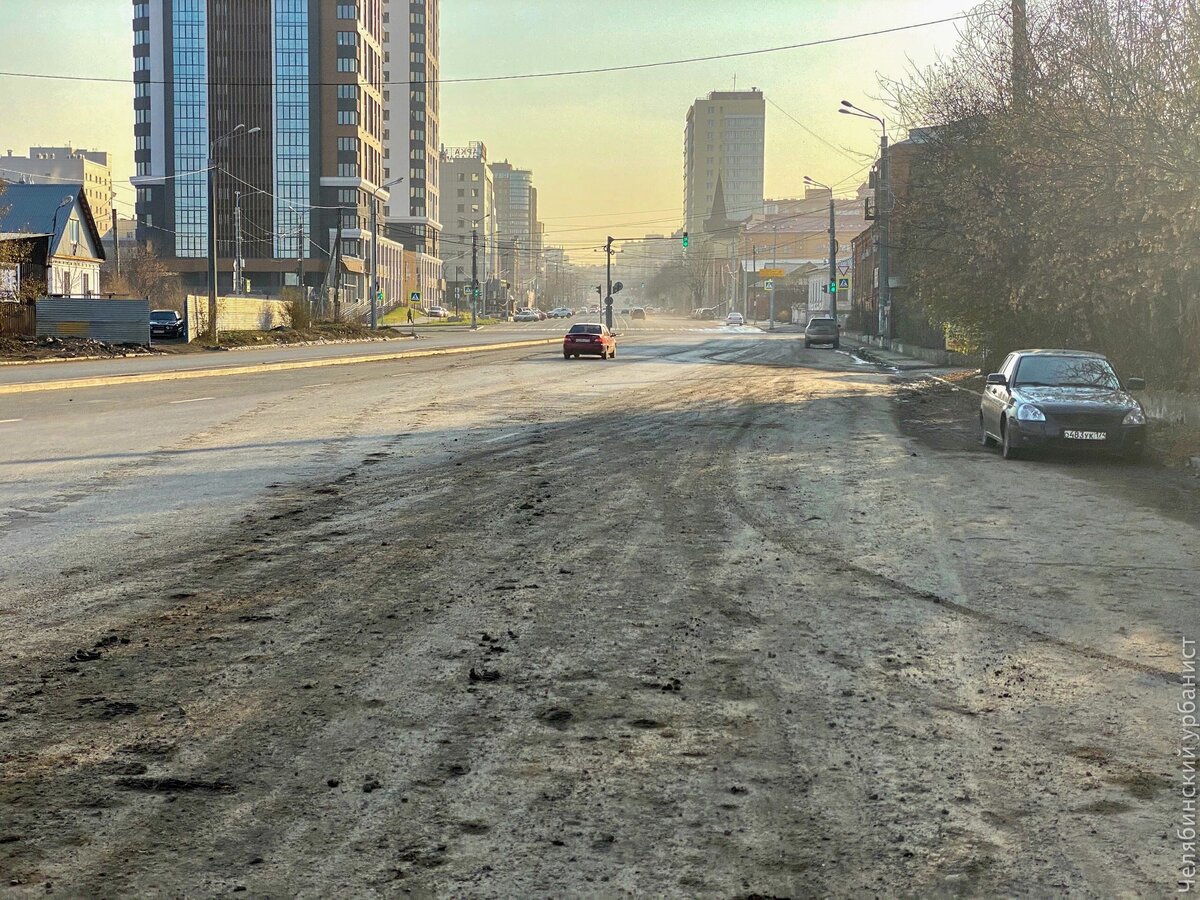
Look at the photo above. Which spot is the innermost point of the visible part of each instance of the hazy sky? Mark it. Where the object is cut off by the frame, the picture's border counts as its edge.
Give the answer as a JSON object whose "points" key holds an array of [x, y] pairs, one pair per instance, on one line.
{"points": [[606, 149]]}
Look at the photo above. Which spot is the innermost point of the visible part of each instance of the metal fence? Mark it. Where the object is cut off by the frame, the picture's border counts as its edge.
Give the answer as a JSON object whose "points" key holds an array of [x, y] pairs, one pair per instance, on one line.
{"points": [[112, 321]]}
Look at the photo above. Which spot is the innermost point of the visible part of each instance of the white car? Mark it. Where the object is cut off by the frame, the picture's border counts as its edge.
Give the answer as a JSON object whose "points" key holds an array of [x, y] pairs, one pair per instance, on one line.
{"points": [[560, 312], [437, 312], [734, 318], [527, 315]]}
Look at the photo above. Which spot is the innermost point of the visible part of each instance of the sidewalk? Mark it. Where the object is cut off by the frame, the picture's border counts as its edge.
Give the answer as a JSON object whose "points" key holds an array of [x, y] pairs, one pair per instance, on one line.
{"points": [[888, 358], [908, 356]]}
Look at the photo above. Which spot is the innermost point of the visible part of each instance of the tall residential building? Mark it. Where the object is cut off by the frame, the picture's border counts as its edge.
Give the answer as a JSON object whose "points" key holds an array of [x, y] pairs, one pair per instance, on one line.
{"points": [[723, 143], [411, 92], [469, 206], [287, 98], [520, 234], [67, 165]]}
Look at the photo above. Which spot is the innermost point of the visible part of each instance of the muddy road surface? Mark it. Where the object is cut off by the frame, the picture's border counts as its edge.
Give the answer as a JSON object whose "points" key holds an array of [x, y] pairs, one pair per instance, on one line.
{"points": [[710, 619]]}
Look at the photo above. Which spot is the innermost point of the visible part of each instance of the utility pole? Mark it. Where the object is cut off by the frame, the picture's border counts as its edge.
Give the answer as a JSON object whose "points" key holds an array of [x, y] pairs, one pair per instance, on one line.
{"points": [[237, 241], [300, 261], [374, 262], [883, 202], [116, 243], [212, 247], [474, 276], [754, 262], [833, 249], [608, 298]]}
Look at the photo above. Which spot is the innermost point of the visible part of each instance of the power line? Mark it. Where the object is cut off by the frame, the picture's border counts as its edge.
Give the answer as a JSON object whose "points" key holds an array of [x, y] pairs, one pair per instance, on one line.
{"points": [[525, 76]]}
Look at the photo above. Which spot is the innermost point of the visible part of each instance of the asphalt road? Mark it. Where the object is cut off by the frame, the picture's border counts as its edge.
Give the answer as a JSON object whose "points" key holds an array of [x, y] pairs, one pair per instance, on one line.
{"points": [[428, 338], [703, 620]]}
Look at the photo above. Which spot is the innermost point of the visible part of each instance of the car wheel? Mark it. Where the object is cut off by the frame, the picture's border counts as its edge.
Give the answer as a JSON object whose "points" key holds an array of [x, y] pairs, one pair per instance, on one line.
{"points": [[807, 345], [566, 356], [985, 439], [1007, 450], [837, 345]]}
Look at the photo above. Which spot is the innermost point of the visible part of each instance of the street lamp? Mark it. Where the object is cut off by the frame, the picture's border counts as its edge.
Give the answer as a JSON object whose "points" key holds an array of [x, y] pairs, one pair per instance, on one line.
{"points": [[883, 194], [238, 280], [833, 249], [375, 249], [212, 224]]}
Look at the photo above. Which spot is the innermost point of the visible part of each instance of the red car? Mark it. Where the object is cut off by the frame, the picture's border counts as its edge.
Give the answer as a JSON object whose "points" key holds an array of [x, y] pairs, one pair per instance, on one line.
{"points": [[589, 339]]}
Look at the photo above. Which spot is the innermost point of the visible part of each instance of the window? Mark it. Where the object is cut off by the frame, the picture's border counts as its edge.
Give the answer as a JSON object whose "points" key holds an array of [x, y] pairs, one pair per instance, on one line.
{"points": [[347, 92], [347, 38], [347, 117], [347, 170], [347, 64], [347, 11], [73, 231]]}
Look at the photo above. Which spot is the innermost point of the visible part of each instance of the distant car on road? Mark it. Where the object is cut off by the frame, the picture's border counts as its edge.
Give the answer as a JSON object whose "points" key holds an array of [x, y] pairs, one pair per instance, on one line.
{"points": [[735, 318], [1061, 398], [822, 330], [437, 312], [560, 312], [637, 313], [166, 323], [589, 339], [529, 315]]}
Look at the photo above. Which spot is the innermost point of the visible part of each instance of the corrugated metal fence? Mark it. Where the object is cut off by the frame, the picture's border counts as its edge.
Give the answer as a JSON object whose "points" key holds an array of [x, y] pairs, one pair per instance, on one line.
{"points": [[114, 321]]}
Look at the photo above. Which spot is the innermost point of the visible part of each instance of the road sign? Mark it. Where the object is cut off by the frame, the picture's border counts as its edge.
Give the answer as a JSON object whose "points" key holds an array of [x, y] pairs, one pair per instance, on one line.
{"points": [[769, 285], [457, 293], [772, 273], [843, 268], [414, 297], [843, 284]]}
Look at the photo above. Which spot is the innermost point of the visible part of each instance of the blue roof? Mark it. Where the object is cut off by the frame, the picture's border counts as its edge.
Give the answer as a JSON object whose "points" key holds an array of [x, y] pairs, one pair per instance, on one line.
{"points": [[31, 208]]}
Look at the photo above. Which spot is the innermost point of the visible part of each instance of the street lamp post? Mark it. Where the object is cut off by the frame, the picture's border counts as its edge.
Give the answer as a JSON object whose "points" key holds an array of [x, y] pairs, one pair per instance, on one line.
{"points": [[212, 225], [883, 199], [833, 249], [375, 250], [238, 262]]}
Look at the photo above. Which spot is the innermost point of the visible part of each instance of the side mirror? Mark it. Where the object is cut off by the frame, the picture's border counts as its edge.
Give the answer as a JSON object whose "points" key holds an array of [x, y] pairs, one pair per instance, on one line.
{"points": [[997, 378], [1136, 384]]}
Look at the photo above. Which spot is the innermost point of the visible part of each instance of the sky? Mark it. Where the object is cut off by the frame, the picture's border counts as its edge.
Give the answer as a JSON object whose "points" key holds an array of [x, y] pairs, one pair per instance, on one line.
{"points": [[606, 149]]}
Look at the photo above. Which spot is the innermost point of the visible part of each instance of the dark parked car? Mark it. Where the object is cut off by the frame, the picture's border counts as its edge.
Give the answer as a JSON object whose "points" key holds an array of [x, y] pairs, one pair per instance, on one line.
{"points": [[637, 313], [822, 330], [1061, 398], [166, 323]]}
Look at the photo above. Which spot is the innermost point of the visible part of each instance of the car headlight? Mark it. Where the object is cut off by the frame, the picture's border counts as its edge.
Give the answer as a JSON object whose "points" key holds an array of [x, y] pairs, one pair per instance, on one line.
{"points": [[1027, 412], [1135, 417]]}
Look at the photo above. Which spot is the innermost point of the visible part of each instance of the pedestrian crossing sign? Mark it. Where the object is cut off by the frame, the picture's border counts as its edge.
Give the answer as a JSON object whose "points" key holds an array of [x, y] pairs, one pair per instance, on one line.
{"points": [[843, 284]]}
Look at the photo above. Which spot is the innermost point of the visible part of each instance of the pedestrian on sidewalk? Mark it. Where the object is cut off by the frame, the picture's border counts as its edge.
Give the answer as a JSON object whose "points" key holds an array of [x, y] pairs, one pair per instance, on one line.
{"points": [[410, 316]]}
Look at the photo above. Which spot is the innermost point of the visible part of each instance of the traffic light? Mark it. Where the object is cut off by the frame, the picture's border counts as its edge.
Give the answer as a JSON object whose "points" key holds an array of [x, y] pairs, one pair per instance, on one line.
{"points": [[685, 240], [833, 287]]}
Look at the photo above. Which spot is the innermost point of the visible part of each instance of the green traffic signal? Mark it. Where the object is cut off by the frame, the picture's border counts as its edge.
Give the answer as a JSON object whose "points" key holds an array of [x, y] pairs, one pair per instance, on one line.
{"points": [[833, 287], [685, 240]]}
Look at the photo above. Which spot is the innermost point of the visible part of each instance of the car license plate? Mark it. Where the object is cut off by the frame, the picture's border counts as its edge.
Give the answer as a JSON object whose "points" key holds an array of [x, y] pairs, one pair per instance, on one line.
{"points": [[1085, 435]]}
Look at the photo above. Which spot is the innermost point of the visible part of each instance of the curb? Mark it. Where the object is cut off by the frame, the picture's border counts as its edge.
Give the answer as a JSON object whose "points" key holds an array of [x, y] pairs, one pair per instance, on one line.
{"points": [[186, 374]]}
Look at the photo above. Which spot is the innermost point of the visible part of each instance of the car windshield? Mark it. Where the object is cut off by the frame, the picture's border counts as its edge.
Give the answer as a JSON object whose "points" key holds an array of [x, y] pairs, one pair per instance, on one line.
{"points": [[586, 329], [1065, 371], [821, 323], [162, 316]]}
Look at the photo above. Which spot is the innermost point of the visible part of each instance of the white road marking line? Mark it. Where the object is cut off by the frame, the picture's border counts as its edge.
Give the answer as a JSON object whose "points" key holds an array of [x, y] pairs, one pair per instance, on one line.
{"points": [[502, 437], [9, 421], [193, 400], [323, 384]]}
